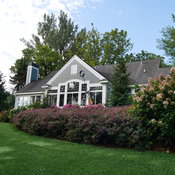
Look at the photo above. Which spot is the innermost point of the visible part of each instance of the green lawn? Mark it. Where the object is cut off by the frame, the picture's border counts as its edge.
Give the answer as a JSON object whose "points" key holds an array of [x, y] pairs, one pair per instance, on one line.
{"points": [[24, 154]]}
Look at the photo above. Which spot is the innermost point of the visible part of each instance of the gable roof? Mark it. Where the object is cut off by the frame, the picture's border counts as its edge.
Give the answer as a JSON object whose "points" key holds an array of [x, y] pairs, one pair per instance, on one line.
{"points": [[91, 69], [139, 73]]}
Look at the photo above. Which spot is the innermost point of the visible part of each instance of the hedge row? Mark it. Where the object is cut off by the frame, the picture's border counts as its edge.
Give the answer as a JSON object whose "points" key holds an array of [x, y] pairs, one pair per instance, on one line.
{"points": [[87, 125]]}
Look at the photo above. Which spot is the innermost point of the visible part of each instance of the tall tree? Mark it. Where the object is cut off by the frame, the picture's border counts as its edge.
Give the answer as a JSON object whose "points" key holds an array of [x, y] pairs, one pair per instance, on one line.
{"points": [[47, 59], [47, 48], [3, 94], [57, 33], [92, 47], [19, 69], [115, 45], [77, 47], [120, 92], [167, 42]]}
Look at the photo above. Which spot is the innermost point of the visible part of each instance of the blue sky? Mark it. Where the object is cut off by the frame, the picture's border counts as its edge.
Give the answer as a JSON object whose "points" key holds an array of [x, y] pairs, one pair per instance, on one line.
{"points": [[142, 19]]}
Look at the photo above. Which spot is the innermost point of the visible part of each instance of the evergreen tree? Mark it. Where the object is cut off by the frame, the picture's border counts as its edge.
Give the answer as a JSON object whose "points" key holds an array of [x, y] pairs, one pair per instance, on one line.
{"points": [[19, 69], [120, 92], [3, 94]]}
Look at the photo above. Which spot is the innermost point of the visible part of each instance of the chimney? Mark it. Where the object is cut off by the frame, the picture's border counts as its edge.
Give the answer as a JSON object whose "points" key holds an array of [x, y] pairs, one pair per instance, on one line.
{"points": [[32, 73]]}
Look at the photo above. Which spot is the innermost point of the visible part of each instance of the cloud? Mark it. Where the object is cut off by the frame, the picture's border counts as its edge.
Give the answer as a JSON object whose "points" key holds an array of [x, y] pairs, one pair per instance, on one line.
{"points": [[19, 18]]}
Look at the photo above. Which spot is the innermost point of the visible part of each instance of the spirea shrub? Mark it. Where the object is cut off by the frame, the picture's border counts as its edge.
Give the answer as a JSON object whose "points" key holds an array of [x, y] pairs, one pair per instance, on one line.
{"points": [[155, 105], [85, 125]]}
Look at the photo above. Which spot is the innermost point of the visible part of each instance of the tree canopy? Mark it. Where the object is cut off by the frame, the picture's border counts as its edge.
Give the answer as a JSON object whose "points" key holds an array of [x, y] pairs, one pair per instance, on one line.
{"points": [[6, 99], [58, 39], [167, 41]]}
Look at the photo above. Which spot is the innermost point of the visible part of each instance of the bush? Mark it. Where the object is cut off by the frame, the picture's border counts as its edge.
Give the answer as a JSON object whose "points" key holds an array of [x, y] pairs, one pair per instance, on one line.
{"points": [[85, 125], [4, 116], [155, 104]]}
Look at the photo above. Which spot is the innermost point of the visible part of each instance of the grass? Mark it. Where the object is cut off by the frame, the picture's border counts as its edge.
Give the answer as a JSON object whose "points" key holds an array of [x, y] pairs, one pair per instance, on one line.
{"points": [[25, 154]]}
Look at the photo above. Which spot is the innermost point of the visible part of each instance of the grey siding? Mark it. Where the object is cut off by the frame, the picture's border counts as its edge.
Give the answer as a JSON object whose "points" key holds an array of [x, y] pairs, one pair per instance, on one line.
{"points": [[66, 75]]}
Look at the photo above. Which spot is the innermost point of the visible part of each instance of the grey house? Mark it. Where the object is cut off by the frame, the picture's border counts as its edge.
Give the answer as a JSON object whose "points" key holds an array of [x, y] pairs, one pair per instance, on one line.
{"points": [[77, 82]]}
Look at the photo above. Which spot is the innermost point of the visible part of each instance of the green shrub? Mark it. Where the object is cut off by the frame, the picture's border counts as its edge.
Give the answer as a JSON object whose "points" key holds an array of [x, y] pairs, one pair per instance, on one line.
{"points": [[155, 105], [4, 116]]}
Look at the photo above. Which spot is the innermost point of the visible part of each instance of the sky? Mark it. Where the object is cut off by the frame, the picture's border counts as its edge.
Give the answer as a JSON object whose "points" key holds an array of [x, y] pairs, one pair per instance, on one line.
{"points": [[142, 19]]}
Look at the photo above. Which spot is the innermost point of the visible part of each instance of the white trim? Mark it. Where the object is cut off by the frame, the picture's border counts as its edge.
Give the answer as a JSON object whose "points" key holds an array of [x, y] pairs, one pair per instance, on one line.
{"points": [[29, 73], [65, 93], [28, 93], [93, 71]]}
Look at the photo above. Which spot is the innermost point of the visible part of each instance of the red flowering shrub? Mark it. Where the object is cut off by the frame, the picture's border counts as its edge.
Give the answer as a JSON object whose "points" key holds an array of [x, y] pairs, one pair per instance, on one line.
{"points": [[70, 106], [84, 125]]}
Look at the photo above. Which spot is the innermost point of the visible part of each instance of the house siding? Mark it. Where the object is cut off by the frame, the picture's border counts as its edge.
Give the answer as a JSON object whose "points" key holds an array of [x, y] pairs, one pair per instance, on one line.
{"points": [[66, 75]]}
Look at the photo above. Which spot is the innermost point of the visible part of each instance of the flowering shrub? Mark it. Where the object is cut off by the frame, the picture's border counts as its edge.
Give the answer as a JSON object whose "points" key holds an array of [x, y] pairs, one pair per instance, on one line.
{"points": [[155, 104], [70, 106], [85, 125]]}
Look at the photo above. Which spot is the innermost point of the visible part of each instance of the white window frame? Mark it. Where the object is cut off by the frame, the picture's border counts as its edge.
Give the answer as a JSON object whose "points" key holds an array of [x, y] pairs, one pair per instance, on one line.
{"points": [[80, 90]]}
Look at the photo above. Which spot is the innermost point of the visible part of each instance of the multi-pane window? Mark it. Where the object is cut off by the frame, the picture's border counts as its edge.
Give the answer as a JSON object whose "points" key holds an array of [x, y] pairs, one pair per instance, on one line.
{"points": [[73, 87], [96, 95], [61, 103], [84, 87], [52, 97], [72, 98], [95, 88], [62, 88], [79, 93]]}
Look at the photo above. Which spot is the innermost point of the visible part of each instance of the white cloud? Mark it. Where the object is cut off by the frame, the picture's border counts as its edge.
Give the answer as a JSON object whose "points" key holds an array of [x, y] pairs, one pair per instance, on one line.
{"points": [[19, 18]]}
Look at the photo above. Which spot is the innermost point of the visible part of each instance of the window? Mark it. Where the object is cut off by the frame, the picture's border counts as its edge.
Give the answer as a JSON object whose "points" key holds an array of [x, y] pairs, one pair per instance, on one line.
{"points": [[32, 99], [62, 88], [61, 103], [83, 99], [84, 87], [95, 88], [52, 99], [73, 69], [76, 92], [72, 99], [73, 87], [52, 91], [96, 97]]}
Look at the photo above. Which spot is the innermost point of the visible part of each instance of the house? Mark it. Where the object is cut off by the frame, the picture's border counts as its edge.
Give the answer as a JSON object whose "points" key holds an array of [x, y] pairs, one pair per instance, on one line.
{"points": [[76, 82]]}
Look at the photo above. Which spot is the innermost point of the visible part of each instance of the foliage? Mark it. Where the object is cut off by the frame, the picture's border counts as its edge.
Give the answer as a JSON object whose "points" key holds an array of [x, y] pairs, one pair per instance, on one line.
{"points": [[115, 44], [56, 32], [85, 125], [19, 69], [47, 48], [3, 94], [47, 59], [120, 92], [92, 47], [144, 55], [156, 102], [6, 99], [87, 45], [7, 115], [167, 42], [4, 116]]}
